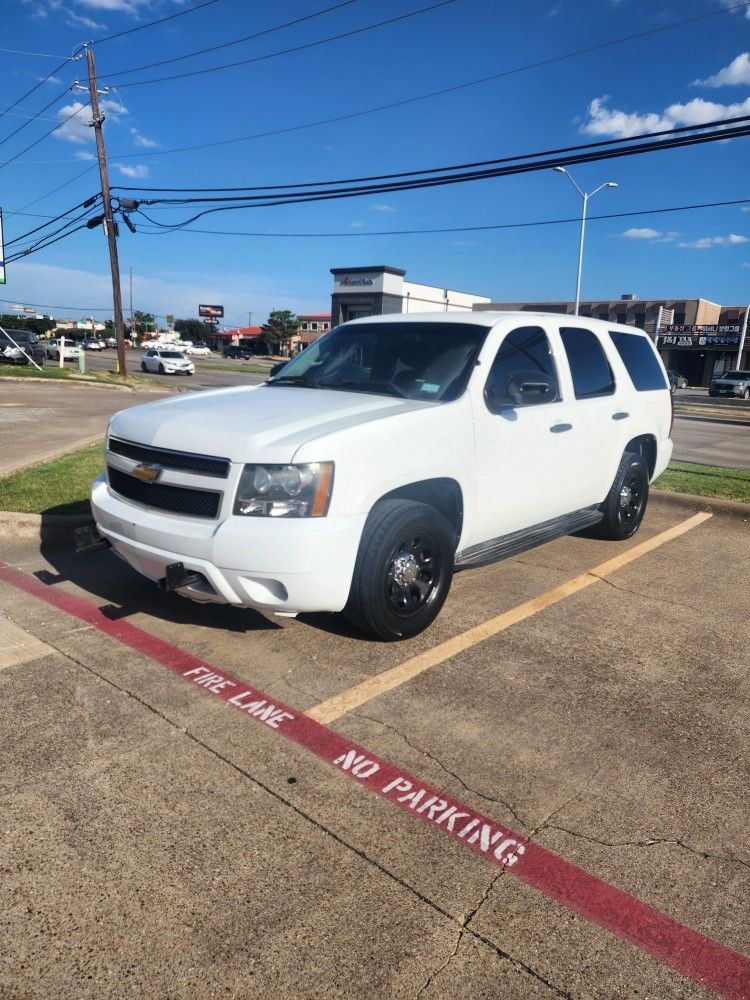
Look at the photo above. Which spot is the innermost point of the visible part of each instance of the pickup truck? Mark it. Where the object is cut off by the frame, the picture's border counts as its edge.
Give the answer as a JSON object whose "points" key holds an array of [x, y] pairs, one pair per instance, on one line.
{"points": [[392, 452]]}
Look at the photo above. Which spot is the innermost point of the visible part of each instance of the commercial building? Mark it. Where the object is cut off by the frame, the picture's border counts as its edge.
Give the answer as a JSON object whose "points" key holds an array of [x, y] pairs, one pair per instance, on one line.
{"points": [[377, 290], [695, 337]]}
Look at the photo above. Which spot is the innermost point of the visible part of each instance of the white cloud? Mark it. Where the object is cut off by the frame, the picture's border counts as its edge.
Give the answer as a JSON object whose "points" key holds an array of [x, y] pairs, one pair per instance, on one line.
{"points": [[380, 206], [78, 128], [166, 293], [604, 121], [135, 171], [731, 5], [50, 79], [79, 21], [356, 225], [641, 234], [706, 242], [733, 75], [141, 140], [126, 6], [83, 154], [465, 243], [746, 263], [745, 208]]}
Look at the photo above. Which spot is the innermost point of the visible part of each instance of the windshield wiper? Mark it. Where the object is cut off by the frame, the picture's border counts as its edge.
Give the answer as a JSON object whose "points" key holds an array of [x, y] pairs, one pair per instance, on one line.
{"points": [[387, 388], [306, 383]]}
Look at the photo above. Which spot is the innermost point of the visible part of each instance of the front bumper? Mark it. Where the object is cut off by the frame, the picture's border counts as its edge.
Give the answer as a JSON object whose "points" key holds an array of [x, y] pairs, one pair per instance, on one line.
{"points": [[272, 564]]}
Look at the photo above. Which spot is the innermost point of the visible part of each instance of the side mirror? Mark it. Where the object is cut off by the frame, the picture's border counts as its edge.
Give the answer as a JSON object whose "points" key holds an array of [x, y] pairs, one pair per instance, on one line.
{"points": [[277, 368], [521, 389]]}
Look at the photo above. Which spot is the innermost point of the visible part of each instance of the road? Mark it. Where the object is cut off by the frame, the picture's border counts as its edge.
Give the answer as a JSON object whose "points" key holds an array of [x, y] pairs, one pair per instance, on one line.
{"points": [[210, 373], [711, 442]]}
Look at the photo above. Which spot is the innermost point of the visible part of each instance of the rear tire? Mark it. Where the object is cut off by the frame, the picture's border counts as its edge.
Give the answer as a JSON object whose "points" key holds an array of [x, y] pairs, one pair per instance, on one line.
{"points": [[626, 501], [403, 571], [161, 369], [143, 366]]}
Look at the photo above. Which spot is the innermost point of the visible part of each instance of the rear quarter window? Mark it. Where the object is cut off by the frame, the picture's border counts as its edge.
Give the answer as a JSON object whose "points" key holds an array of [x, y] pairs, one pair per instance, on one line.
{"points": [[640, 360], [589, 366]]}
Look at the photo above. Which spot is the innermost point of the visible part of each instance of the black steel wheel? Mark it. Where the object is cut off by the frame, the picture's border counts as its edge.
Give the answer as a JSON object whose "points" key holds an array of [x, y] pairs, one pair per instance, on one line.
{"points": [[626, 501], [403, 571]]}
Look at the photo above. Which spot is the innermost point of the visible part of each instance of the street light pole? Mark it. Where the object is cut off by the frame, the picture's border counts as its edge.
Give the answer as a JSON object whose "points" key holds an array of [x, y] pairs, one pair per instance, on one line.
{"points": [[585, 196]]}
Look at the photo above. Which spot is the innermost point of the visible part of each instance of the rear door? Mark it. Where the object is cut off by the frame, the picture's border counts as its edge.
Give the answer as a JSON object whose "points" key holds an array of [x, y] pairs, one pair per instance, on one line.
{"points": [[597, 415]]}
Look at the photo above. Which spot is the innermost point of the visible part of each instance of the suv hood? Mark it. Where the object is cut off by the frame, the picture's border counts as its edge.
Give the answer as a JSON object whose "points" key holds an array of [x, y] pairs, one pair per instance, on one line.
{"points": [[255, 423]]}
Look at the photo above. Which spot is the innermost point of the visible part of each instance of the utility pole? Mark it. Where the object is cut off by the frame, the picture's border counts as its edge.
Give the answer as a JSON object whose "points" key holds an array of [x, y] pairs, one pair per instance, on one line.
{"points": [[109, 222], [249, 319], [132, 317]]}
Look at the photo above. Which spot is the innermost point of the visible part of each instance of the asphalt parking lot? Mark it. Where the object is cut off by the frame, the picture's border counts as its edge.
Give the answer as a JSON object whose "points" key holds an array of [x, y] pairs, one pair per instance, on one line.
{"points": [[545, 794]]}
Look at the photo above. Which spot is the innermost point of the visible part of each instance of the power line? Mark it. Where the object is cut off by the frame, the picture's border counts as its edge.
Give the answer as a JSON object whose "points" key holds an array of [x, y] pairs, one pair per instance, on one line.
{"points": [[72, 58], [459, 229], [151, 24], [283, 52], [42, 137], [21, 211], [234, 41], [26, 253], [261, 201], [86, 203], [434, 93], [714, 124], [34, 117]]}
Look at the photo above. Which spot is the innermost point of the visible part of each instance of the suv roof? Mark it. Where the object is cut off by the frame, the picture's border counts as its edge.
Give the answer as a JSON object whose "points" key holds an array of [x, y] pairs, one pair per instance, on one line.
{"points": [[487, 317]]}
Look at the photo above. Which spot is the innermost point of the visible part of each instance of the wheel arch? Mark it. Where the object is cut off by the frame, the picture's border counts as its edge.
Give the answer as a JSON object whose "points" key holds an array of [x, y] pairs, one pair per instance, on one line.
{"points": [[442, 493], [645, 446]]}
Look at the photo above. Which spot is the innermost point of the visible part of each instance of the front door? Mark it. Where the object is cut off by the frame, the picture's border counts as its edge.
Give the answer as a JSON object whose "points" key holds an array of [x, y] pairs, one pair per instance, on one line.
{"points": [[523, 431]]}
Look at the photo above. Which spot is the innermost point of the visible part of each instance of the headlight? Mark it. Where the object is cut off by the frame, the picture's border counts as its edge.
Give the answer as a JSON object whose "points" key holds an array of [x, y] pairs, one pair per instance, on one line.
{"points": [[285, 490]]}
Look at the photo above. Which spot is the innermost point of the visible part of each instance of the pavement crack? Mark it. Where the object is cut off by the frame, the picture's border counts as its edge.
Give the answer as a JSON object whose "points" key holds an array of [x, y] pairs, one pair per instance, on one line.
{"points": [[441, 968], [326, 831], [650, 842], [445, 769], [681, 605]]}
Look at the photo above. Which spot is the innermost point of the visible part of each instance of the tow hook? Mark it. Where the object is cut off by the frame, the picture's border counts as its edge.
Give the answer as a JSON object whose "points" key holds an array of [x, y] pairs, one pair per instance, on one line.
{"points": [[88, 539], [177, 577]]}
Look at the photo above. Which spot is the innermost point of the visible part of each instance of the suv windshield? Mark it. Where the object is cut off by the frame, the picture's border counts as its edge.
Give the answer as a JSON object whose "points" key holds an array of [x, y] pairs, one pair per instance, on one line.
{"points": [[736, 376], [428, 361], [20, 336]]}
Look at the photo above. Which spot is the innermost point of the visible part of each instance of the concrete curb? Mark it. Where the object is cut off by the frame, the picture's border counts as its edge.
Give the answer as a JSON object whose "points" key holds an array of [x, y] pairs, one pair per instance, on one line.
{"points": [[80, 382], [60, 527], [45, 527], [715, 505], [52, 455]]}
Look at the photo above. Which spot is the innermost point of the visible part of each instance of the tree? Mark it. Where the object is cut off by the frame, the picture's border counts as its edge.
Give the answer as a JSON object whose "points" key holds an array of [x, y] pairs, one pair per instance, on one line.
{"points": [[191, 329], [144, 322], [279, 329], [37, 326]]}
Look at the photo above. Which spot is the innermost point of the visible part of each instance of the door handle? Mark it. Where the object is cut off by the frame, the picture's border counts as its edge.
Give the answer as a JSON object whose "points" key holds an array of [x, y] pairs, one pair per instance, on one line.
{"points": [[559, 428], [621, 415]]}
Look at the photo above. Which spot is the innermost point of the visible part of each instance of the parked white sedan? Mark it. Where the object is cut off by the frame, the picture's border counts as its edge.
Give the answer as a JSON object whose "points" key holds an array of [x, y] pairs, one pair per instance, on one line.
{"points": [[201, 350], [166, 363], [70, 350]]}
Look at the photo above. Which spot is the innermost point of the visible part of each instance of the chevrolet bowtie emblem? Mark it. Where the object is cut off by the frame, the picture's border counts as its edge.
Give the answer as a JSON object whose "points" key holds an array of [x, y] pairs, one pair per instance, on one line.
{"points": [[147, 473]]}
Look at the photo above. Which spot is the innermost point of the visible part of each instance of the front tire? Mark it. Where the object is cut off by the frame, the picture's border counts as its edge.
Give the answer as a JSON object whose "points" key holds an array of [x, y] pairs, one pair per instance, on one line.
{"points": [[403, 571], [161, 369], [626, 501], [143, 366], [746, 394]]}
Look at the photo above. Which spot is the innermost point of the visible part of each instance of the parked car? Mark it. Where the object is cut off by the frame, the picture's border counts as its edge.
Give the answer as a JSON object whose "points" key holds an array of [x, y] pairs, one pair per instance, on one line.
{"points": [[202, 350], [676, 380], [392, 451], [233, 351], [166, 363], [736, 383], [71, 351], [16, 346], [92, 344]]}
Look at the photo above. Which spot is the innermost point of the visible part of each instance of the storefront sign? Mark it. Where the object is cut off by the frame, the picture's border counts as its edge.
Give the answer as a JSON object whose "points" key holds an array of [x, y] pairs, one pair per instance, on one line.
{"points": [[211, 312], [706, 328], [688, 342]]}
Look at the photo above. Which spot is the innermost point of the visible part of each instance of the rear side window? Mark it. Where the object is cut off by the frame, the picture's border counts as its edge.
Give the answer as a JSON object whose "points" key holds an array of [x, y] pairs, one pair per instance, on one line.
{"points": [[589, 367], [639, 359]]}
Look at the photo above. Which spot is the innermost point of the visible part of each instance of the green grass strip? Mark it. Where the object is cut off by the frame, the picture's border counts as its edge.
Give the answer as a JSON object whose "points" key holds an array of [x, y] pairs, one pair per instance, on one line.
{"points": [[705, 481], [62, 486]]}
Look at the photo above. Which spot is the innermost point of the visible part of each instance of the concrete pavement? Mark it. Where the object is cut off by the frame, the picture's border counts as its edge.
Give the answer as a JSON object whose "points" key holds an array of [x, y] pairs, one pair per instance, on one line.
{"points": [[160, 843]]}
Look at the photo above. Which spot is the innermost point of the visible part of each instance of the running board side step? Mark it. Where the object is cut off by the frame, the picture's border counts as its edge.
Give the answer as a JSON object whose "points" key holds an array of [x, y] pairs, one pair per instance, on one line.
{"points": [[528, 538]]}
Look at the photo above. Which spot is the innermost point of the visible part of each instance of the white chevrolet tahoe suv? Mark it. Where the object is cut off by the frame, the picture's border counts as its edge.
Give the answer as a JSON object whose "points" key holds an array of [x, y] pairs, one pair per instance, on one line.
{"points": [[390, 453]]}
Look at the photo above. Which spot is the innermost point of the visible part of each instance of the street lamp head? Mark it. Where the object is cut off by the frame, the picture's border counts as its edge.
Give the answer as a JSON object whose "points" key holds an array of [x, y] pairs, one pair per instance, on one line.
{"points": [[612, 184], [560, 170]]}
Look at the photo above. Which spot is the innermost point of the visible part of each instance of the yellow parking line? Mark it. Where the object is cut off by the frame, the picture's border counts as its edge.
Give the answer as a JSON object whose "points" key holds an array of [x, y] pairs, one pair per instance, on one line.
{"points": [[355, 696]]}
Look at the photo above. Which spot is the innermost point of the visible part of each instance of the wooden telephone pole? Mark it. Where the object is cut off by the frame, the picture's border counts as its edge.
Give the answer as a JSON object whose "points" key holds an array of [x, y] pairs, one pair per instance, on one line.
{"points": [[109, 222]]}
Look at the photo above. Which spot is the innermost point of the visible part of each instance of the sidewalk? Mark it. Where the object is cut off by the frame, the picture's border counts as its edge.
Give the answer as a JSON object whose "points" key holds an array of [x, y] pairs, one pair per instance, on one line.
{"points": [[40, 420]]}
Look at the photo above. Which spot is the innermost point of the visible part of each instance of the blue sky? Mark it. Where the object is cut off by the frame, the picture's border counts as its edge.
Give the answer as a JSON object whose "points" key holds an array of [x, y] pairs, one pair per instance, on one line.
{"points": [[688, 74]]}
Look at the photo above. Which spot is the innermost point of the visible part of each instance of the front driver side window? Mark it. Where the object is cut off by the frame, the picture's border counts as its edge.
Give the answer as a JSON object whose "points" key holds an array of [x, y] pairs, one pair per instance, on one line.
{"points": [[523, 372]]}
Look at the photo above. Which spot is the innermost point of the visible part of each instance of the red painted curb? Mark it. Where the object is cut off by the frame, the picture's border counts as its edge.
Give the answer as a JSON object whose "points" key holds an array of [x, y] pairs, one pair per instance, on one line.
{"points": [[688, 952]]}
